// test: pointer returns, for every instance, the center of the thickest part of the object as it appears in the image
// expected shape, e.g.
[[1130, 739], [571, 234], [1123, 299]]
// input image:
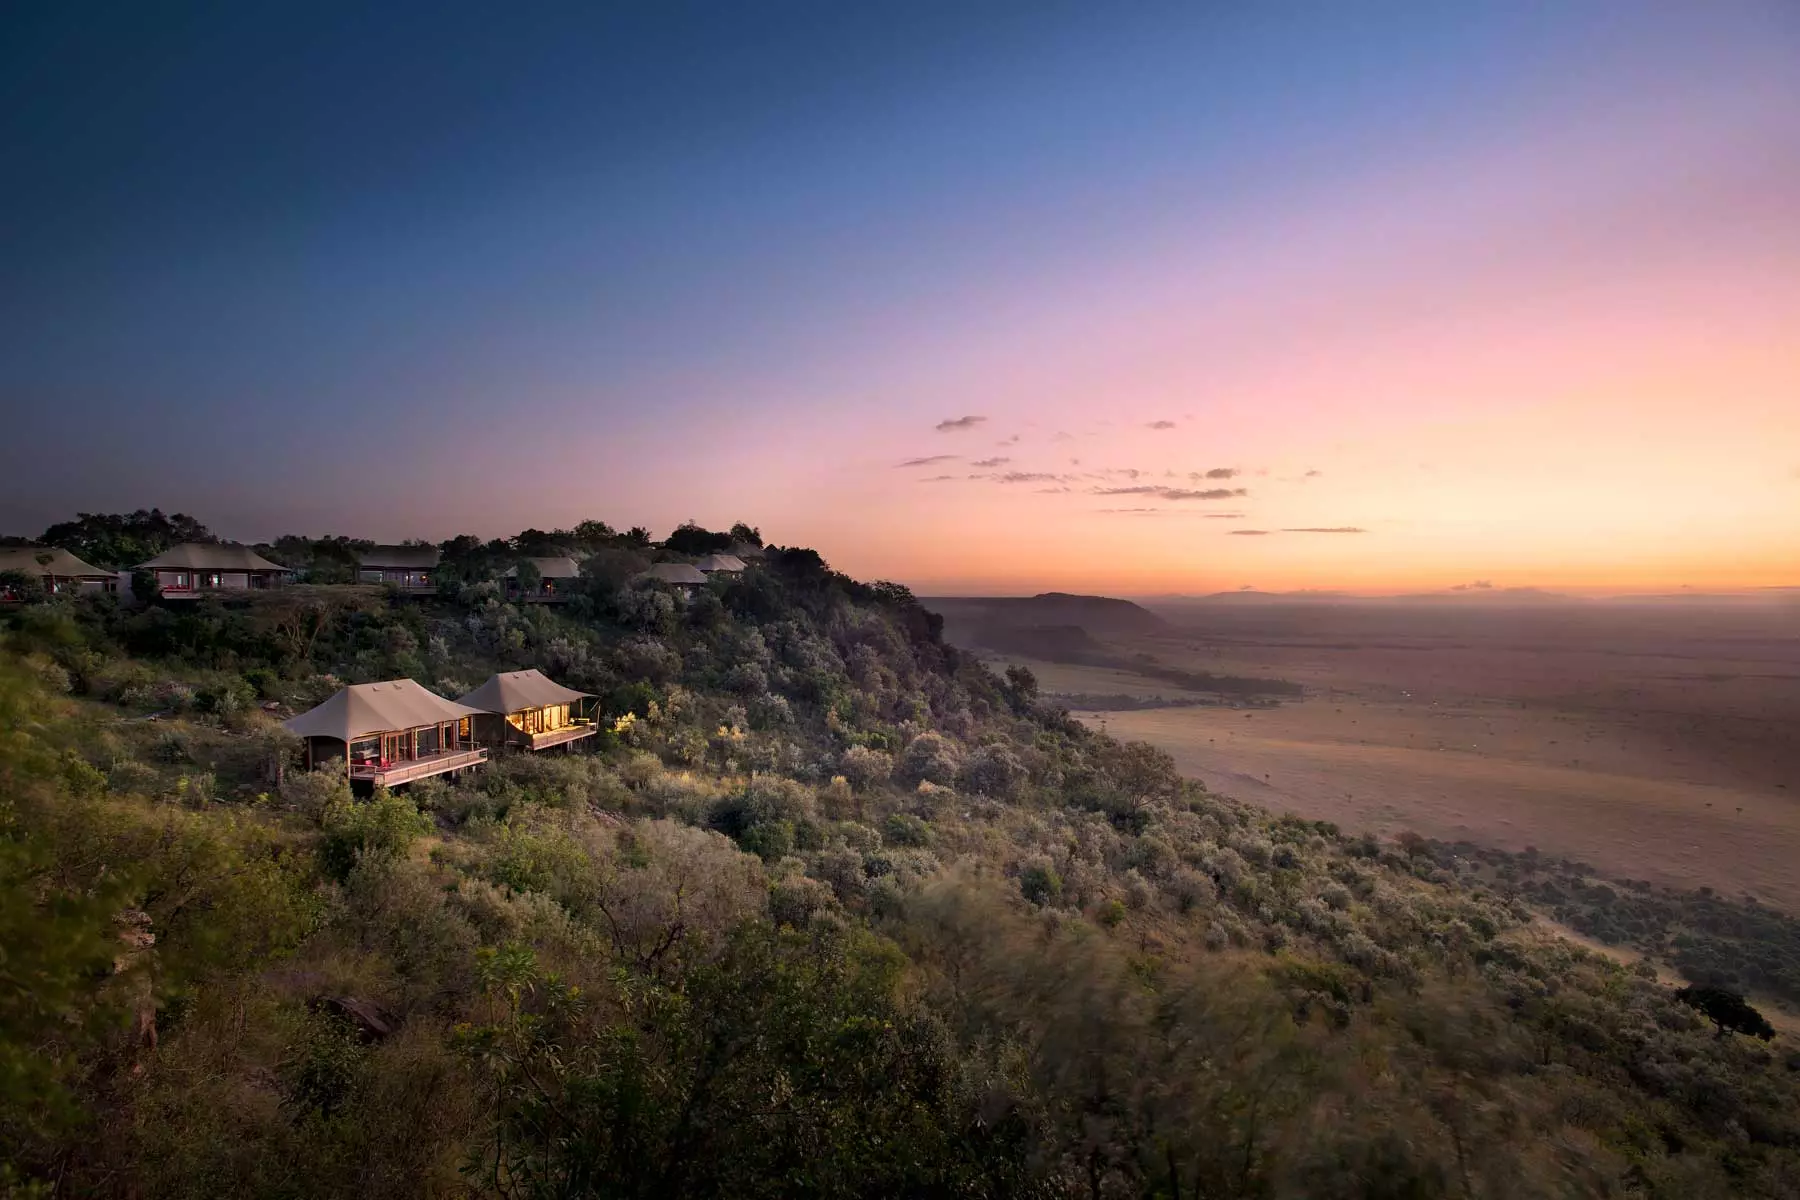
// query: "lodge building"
[[528, 710]]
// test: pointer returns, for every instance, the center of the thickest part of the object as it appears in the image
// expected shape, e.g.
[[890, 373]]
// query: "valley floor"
[[1468, 775], [1652, 745]]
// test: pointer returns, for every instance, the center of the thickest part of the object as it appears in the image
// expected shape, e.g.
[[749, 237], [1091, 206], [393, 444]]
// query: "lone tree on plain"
[[1727, 1010]]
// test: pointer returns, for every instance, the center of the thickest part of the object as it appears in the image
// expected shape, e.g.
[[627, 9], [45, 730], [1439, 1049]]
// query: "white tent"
[[512, 691], [550, 568], [366, 708], [679, 574]]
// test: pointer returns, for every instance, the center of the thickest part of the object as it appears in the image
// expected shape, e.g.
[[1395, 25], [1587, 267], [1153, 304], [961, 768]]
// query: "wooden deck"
[[423, 767], [560, 737]]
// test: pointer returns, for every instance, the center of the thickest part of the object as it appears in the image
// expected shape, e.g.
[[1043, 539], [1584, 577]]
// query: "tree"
[[991, 771], [330, 559], [741, 532], [930, 758], [690, 538], [607, 570], [531, 580], [1021, 689], [594, 535], [1727, 1010], [125, 539], [539, 544], [143, 586]]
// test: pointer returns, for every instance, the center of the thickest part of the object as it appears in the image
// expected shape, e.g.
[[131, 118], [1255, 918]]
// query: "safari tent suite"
[[195, 569], [555, 575], [713, 564], [389, 733], [682, 576], [528, 709], [411, 569], [60, 572]]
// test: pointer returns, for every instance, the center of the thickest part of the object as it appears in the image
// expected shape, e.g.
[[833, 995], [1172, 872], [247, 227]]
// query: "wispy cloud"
[[1248, 532], [1312, 474], [1028, 477], [1014, 440], [938, 479], [1177, 512], [1326, 529], [1160, 425], [927, 461], [1480, 585], [1215, 473], [956, 424], [990, 462], [1170, 493]]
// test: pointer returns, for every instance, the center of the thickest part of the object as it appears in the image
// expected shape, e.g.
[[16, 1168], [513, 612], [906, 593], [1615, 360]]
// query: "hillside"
[[1097, 615], [1059, 628], [829, 910]]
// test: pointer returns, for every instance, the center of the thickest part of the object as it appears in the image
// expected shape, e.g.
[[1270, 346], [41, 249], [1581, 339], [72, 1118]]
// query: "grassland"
[[1654, 744]]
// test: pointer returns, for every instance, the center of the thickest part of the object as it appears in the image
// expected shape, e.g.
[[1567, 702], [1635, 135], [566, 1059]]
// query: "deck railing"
[[572, 732], [407, 770]]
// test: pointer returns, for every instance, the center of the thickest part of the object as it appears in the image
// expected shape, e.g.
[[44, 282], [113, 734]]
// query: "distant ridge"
[[1470, 596], [1098, 615]]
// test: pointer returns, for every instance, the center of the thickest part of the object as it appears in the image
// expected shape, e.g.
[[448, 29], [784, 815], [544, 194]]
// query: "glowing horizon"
[[1511, 295]]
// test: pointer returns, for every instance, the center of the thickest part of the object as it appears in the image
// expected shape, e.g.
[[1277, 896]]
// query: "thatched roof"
[[510, 691], [748, 551], [364, 708], [61, 564], [209, 556], [400, 558], [683, 574], [551, 568], [719, 562]]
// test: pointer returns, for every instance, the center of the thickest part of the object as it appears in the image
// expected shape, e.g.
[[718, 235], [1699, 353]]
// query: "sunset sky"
[[1143, 298]]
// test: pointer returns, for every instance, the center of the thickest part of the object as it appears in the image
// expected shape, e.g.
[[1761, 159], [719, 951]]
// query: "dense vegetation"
[[1701, 934], [830, 911]]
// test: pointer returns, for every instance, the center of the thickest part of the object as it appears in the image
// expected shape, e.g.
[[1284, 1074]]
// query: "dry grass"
[[1663, 746]]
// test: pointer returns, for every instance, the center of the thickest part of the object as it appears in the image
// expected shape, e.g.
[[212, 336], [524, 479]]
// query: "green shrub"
[[375, 831], [1040, 884], [904, 829]]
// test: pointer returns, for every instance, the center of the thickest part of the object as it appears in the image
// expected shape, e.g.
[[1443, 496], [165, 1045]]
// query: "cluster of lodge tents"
[[396, 732], [195, 569]]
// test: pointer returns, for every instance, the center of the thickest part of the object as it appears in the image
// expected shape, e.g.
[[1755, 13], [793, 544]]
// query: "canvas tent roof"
[[62, 564], [719, 562], [208, 556], [510, 691], [679, 573], [404, 558], [364, 708], [551, 568]]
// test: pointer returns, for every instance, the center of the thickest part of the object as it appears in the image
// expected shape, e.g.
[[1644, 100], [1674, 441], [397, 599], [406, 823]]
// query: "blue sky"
[[447, 267]]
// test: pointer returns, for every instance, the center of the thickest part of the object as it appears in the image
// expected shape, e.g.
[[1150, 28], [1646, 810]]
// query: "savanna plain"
[[1653, 741]]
